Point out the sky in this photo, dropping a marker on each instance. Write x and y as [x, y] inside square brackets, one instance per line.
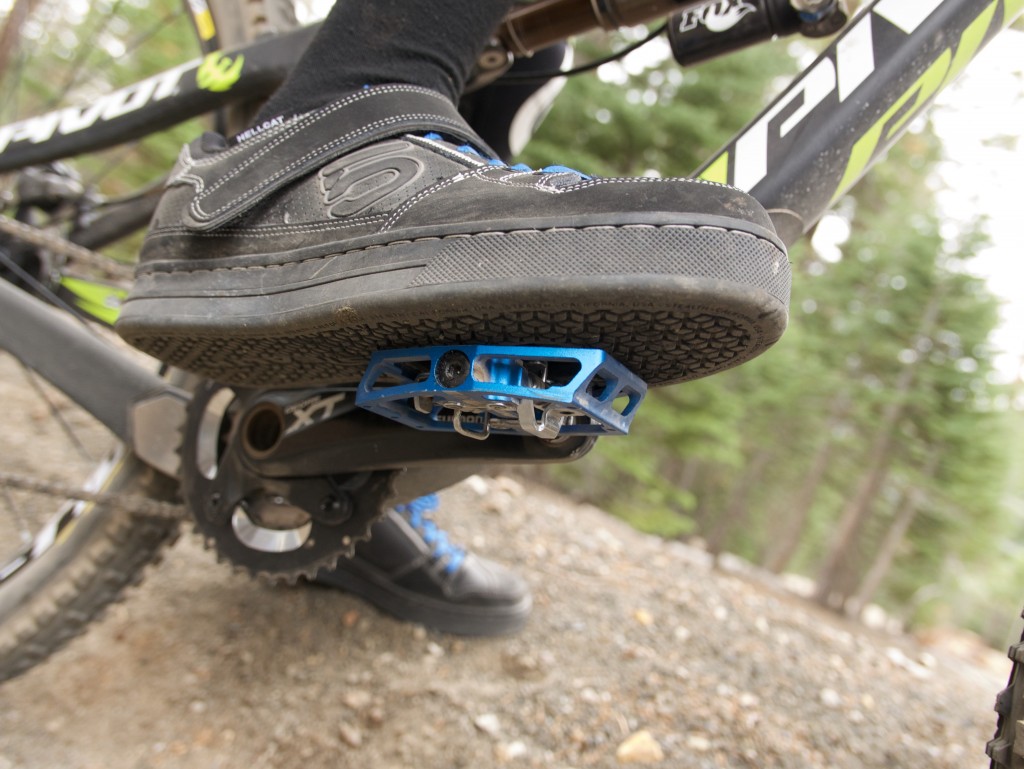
[986, 176]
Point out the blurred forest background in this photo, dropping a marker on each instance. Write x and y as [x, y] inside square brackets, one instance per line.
[872, 450]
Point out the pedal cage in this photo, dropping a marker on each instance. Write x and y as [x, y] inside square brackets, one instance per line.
[479, 390]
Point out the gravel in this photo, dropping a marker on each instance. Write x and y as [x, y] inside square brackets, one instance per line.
[639, 652]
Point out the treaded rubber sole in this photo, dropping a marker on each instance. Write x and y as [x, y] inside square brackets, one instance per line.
[671, 302]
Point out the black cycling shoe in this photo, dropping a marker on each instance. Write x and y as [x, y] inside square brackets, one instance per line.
[288, 259]
[410, 570]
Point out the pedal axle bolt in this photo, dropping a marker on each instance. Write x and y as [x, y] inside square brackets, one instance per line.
[335, 509]
[452, 369]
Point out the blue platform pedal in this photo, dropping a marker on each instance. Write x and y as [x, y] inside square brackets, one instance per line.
[479, 390]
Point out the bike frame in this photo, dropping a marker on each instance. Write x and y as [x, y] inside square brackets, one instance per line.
[797, 157]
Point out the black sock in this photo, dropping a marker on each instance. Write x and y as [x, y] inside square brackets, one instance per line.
[430, 43]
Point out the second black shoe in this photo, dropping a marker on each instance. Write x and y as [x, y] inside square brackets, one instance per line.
[410, 570]
[380, 222]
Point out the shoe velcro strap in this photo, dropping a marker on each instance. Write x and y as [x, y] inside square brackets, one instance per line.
[232, 181]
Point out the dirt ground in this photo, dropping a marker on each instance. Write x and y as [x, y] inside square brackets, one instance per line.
[638, 650]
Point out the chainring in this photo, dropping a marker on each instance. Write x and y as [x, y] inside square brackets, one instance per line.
[281, 528]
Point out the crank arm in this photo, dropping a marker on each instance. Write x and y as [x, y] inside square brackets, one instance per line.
[289, 434]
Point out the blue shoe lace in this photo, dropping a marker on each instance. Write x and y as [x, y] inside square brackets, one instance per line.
[416, 513]
[471, 150]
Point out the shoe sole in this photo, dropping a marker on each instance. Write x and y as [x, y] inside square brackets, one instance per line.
[671, 302]
[465, 620]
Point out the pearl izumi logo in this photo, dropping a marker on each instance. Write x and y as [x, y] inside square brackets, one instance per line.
[717, 16]
[357, 181]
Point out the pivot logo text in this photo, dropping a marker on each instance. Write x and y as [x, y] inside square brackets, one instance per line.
[112, 105]
[855, 59]
[717, 16]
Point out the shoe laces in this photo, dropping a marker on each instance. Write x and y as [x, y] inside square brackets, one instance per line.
[469, 149]
[417, 513]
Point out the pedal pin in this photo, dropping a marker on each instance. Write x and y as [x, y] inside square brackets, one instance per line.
[452, 369]
[548, 426]
[461, 429]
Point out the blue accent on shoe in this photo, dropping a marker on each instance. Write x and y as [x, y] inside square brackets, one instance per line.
[471, 150]
[556, 169]
[416, 513]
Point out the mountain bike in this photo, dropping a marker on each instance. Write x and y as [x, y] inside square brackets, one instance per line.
[283, 482]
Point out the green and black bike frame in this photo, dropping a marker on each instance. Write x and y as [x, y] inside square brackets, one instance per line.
[797, 157]
[823, 133]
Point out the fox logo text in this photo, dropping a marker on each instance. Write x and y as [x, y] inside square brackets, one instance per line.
[717, 16]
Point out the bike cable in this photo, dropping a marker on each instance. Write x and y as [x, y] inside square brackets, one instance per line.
[540, 77]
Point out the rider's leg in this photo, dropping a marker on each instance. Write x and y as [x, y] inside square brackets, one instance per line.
[429, 44]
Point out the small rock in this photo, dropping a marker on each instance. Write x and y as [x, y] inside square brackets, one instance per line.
[357, 699]
[350, 735]
[749, 700]
[698, 742]
[639, 748]
[435, 649]
[197, 707]
[419, 632]
[511, 751]
[643, 617]
[609, 540]
[497, 502]
[830, 698]
[478, 485]
[375, 717]
[204, 737]
[488, 723]
[588, 694]
[509, 486]
[682, 634]
[350, 618]
[522, 665]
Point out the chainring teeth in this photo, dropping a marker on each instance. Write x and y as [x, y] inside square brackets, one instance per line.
[329, 542]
